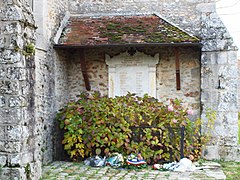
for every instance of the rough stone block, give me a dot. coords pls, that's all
(3, 73)
(16, 41)
(2, 132)
(13, 13)
(17, 101)
(10, 57)
(228, 71)
(2, 101)
(221, 44)
(36, 169)
(205, 96)
(230, 84)
(23, 74)
(13, 73)
(14, 160)
(222, 58)
(27, 158)
(9, 87)
(2, 144)
(25, 88)
(11, 147)
(231, 139)
(206, 7)
(232, 57)
(211, 152)
(2, 41)
(14, 133)
(205, 59)
(227, 101)
(11, 28)
(9, 116)
(228, 153)
(13, 174)
(3, 160)
(214, 44)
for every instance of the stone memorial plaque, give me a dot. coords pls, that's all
(135, 74)
(132, 79)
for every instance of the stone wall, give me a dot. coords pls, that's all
(222, 97)
(61, 97)
(96, 69)
(219, 84)
(166, 75)
(189, 77)
(27, 86)
(48, 15)
(18, 140)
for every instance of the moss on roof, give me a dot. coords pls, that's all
(122, 30)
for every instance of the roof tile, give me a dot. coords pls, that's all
(139, 29)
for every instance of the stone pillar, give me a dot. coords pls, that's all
(17, 139)
(219, 85)
(219, 92)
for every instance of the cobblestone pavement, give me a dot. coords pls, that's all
(77, 171)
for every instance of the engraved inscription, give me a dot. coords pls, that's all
(132, 79)
(134, 74)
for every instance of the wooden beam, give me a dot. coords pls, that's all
(84, 69)
(177, 64)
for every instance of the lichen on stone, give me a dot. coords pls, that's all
(122, 30)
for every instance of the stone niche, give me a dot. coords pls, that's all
(132, 73)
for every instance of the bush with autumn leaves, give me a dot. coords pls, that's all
(96, 125)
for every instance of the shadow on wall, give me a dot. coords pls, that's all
(59, 153)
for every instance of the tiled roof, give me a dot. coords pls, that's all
(114, 30)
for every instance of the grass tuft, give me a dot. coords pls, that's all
(239, 128)
(231, 169)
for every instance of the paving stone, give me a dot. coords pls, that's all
(71, 177)
(59, 170)
(105, 178)
(83, 178)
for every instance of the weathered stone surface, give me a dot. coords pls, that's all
(9, 87)
(13, 73)
(13, 173)
(13, 115)
(10, 27)
(10, 147)
(229, 153)
(9, 57)
(2, 101)
(15, 160)
(16, 133)
(2, 132)
(17, 30)
(132, 73)
(3, 160)
(71, 171)
(190, 77)
(211, 152)
(17, 101)
(220, 93)
(206, 7)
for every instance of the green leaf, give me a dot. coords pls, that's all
(98, 151)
